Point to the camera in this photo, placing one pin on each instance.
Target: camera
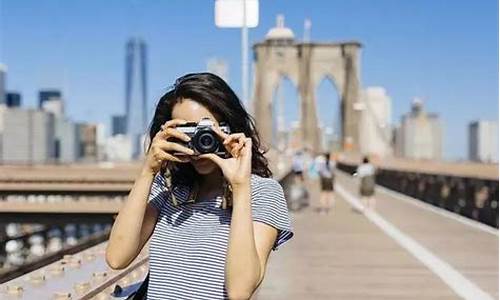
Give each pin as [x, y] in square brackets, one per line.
[203, 138]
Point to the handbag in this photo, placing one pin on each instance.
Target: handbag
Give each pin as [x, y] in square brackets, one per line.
[141, 292]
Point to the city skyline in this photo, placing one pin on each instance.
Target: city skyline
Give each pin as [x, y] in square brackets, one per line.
[452, 66]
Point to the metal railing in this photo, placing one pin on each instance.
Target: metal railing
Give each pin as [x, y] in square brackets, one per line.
[84, 275]
[474, 198]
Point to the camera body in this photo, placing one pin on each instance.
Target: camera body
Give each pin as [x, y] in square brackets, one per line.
[203, 138]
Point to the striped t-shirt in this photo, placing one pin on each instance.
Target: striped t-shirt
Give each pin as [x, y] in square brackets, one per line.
[187, 251]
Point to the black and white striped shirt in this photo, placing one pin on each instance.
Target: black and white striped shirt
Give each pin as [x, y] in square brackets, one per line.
[189, 243]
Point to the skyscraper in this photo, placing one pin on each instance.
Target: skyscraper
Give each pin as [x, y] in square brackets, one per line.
[420, 134]
[3, 75]
[13, 99]
[55, 106]
[47, 95]
[483, 141]
[87, 136]
[119, 148]
[375, 122]
[42, 137]
[135, 91]
[67, 143]
[118, 125]
[28, 136]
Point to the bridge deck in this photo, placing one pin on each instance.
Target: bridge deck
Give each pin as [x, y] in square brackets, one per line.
[351, 255]
[345, 255]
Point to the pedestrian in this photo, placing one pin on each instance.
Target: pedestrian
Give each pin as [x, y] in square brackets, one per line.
[298, 196]
[308, 160]
[213, 218]
[325, 167]
[298, 165]
[366, 174]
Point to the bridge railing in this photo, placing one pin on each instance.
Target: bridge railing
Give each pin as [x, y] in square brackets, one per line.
[84, 275]
[474, 198]
[32, 251]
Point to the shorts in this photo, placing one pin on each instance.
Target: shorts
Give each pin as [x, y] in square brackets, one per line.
[367, 191]
[367, 186]
[326, 184]
[299, 174]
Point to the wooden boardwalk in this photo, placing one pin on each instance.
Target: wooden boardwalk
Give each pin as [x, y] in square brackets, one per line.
[344, 255]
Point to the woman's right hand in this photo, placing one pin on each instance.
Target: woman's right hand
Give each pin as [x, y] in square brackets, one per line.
[161, 149]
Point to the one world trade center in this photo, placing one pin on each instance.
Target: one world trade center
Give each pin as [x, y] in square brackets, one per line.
[135, 92]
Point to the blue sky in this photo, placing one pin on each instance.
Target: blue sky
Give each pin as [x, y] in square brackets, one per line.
[444, 51]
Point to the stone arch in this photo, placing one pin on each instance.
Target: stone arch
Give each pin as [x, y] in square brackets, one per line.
[281, 92]
[272, 64]
[329, 102]
[306, 64]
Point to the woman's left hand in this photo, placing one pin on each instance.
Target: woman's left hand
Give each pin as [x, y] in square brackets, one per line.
[237, 168]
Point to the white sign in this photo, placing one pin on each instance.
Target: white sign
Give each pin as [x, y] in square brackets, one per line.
[229, 13]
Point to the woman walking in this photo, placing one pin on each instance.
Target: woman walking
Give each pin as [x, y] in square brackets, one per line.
[366, 174]
[325, 169]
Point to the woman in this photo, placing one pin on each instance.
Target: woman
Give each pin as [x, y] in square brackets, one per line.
[325, 170]
[366, 174]
[212, 220]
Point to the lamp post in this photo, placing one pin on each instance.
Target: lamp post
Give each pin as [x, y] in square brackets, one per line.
[244, 56]
[236, 14]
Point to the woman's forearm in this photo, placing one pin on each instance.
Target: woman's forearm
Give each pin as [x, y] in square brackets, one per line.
[242, 263]
[125, 237]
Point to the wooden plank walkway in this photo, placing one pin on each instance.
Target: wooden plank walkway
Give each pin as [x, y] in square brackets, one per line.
[345, 256]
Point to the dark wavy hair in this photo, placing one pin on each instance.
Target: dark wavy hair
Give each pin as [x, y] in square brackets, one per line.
[215, 94]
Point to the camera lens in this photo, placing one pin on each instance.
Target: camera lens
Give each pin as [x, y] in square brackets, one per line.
[205, 141]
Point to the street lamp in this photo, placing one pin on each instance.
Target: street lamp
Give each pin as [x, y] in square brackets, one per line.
[236, 14]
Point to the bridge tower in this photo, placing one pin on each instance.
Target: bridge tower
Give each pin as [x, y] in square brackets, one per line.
[306, 64]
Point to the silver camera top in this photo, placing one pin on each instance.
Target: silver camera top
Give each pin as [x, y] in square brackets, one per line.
[206, 122]
[192, 127]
